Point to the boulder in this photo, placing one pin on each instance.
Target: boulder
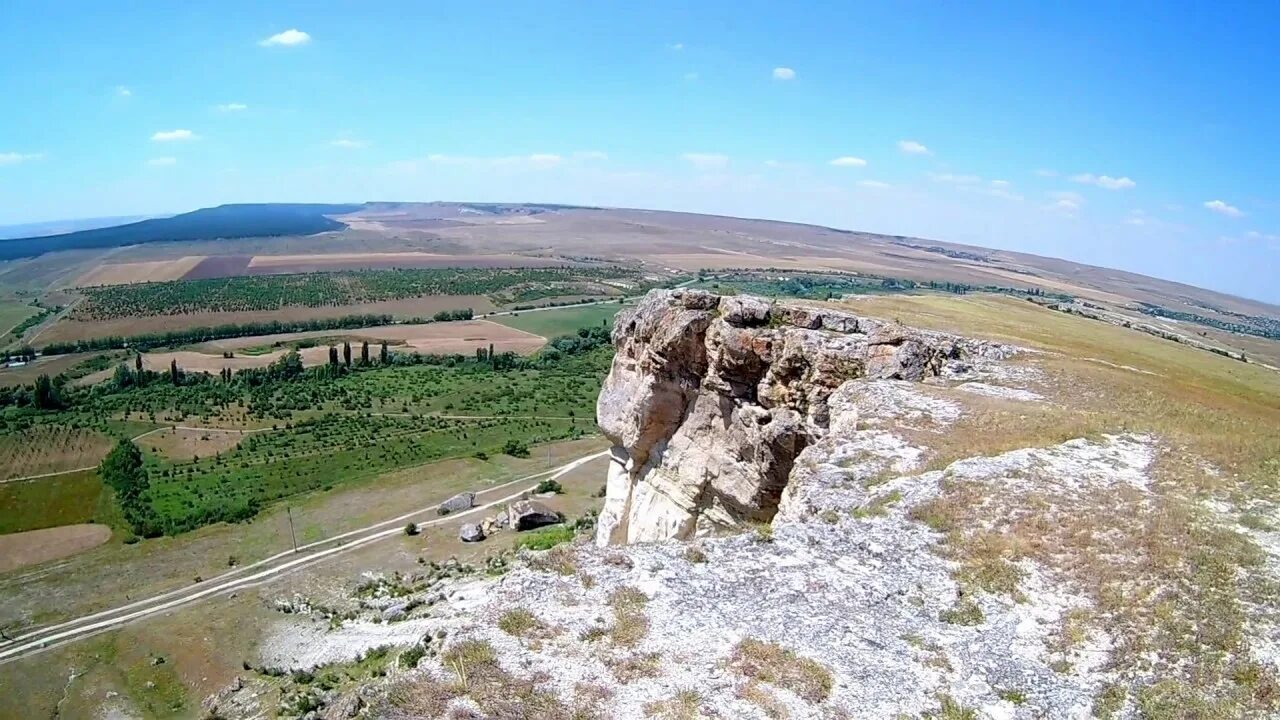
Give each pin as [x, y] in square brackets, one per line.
[394, 612]
[470, 532]
[530, 514]
[457, 503]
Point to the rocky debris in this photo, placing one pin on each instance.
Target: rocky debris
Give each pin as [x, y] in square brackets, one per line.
[710, 400]
[344, 708]
[471, 532]
[395, 612]
[457, 503]
[531, 514]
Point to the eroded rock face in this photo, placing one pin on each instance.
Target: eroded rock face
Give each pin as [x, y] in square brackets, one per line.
[710, 399]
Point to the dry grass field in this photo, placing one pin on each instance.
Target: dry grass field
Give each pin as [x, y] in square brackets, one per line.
[273, 264]
[67, 330]
[1176, 572]
[19, 550]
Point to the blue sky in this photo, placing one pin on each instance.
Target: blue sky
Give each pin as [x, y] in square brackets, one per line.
[1141, 137]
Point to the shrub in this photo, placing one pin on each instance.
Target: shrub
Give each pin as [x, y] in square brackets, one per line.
[549, 486]
[411, 528]
[774, 664]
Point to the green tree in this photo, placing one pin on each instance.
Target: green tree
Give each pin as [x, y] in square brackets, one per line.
[123, 472]
[382, 354]
[346, 353]
[123, 377]
[333, 356]
[46, 395]
[364, 352]
[174, 377]
[137, 363]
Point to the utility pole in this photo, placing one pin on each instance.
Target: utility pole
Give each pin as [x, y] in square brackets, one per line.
[289, 511]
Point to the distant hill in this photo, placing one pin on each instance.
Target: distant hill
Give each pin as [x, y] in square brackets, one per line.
[224, 221]
[62, 227]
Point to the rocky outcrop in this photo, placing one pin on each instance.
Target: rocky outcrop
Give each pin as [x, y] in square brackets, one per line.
[471, 532]
[710, 400]
[531, 514]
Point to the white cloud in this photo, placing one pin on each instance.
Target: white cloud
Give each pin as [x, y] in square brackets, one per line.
[1105, 182]
[874, 184]
[1065, 202]
[706, 161]
[911, 147]
[162, 161]
[544, 160]
[349, 144]
[1047, 173]
[14, 158]
[1223, 208]
[677, 46]
[784, 73]
[1000, 183]
[848, 161]
[953, 179]
[287, 38]
[590, 155]
[124, 92]
[173, 135]
[232, 107]
[1255, 235]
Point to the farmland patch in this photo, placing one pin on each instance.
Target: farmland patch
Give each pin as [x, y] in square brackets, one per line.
[139, 272]
[37, 546]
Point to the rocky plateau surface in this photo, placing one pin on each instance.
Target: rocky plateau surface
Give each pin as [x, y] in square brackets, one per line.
[760, 553]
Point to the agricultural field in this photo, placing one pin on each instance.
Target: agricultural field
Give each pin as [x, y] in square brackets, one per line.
[13, 311]
[311, 429]
[50, 448]
[178, 443]
[561, 321]
[321, 454]
[273, 292]
[67, 499]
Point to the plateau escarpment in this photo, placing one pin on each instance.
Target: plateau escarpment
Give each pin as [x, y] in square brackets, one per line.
[711, 399]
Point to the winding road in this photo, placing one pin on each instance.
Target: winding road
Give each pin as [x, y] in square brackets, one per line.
[254, 574]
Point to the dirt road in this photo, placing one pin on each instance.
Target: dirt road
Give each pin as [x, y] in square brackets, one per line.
[254, 574]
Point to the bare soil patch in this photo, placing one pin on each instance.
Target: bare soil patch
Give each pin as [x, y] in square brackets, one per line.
[139, 272]
[216, 267]
[186, 444]
[439, 338]
[33, 547]
[71, 330]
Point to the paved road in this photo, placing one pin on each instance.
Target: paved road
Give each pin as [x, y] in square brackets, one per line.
[263, 571]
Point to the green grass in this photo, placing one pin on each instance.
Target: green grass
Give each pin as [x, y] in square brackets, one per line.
[561, 321]
[13, 312]
[324, 453]
[60, 500]
[545, 539]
